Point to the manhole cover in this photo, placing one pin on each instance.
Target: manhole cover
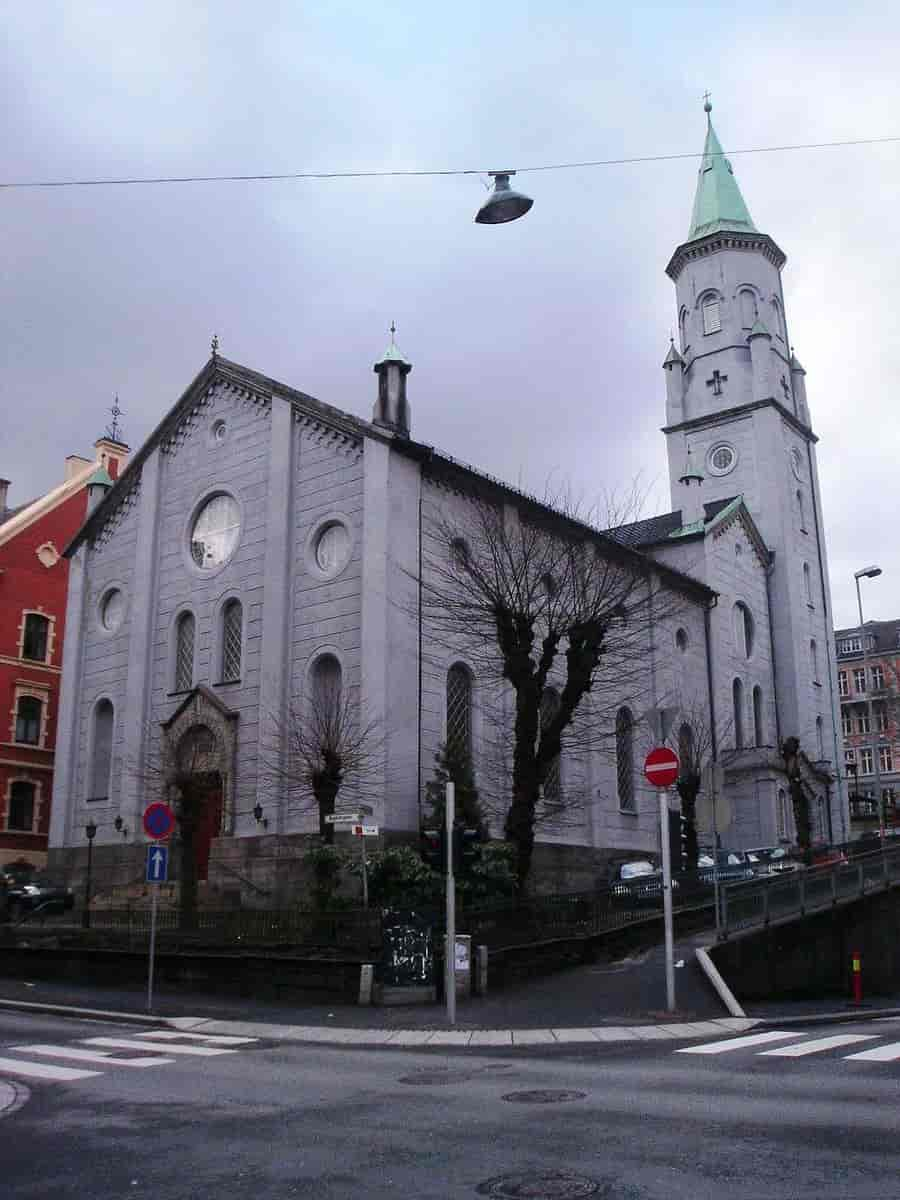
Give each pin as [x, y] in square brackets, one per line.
[438, 1076]
[541, 1185]
[544, 1096]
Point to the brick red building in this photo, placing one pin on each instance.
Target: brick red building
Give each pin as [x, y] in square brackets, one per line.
[33, 586]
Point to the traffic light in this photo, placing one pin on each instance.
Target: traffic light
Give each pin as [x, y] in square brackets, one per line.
[677, 842]
[434, 854]
[465, 849]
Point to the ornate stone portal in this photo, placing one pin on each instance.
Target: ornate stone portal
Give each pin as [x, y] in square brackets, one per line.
[200, 738]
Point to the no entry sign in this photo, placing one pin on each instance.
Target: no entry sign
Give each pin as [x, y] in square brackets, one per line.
[159, 820]
[661, 767]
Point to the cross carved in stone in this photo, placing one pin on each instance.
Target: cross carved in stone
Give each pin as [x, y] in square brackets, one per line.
[716, 382]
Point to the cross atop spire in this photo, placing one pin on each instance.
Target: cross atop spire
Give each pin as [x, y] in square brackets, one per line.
[113, 430]
[718, 203]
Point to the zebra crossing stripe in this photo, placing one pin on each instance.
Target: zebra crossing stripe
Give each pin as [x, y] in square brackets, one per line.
[819, 1044]
[738, 1043]
[170, 1048]
[74, 1054]
[214, 1039]
[887, 1053]
[38, 1070]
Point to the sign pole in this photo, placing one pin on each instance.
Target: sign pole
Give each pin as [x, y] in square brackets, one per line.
[365, 872]
[667, 897]
[450, 949]
[152, 949]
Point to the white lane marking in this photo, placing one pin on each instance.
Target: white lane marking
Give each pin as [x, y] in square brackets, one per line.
[36, 1070]
[888, 1053]
[95, 1056]
[814, 1047]
[214, 1039]
[171, 1048]
[738, 1043]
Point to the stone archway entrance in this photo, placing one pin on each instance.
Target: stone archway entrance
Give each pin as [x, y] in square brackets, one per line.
[200, 805]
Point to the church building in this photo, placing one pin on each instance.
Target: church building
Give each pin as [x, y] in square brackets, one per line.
[263, 549]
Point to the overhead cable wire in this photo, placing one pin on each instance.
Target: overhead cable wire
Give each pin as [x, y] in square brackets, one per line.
[421, 173]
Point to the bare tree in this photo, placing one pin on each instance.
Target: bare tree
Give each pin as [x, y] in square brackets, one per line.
[536, 597]
[324, 744]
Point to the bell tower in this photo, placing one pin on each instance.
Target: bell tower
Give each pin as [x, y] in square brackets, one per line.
[736, 395]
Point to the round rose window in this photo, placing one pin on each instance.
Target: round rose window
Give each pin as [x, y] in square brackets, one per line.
[332, 548]
[215, 533]
[112, 609]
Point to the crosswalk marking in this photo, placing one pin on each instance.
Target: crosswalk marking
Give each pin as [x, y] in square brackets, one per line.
[74, 1054]
[887, 1053]
[818, 1044]
[214, 1039]
[38, 1070]
[168, 1048]
[738, 1043]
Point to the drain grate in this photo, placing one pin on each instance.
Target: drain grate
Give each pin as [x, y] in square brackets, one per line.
[544, 1096]
[541, 1185]
[437, 1075]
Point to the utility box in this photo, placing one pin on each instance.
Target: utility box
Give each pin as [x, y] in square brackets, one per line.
[462, 964]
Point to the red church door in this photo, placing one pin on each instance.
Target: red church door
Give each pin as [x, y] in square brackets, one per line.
[209, 823]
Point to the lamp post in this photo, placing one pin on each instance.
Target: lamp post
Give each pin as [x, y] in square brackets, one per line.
[870, 573]
[90, 832]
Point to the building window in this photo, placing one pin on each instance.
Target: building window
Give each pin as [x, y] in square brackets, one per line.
[881, 720]
[843, 684]
[34, 641]
[758, 738]
[743, 629]
[682, 326]
[28, 721]
[849, 756]
[851, 645]
[859, 679]
[807, 584]
[20, 815]
[801, 511]
[846, 724]
[862, 723]
[327, 685]
[820, 738]
[112, 609]
[552, 777]
[232, 629]
[184, 652]
[865, 761]
[781, 815]
[712, 319]
[215, 532]
[737, 702]
[625, 759]
[721, 459]
[101, 754]
[748, 309]
[814, 659]
[885, 758]
[332, 548]
[777, 321]
[459, 712]
[877, 677]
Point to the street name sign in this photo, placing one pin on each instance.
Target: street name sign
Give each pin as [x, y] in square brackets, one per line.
[661, 767]
[159, 820]
[365, 831]
[157, 864]
[343, 818]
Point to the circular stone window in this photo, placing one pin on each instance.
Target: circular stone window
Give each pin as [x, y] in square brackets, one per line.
[797, 462]
[112, 609]
[331, 548]
[721, 459]
[219, 431]
[215, 532]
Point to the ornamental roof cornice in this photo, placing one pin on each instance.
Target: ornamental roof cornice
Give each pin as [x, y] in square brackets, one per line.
[712, 243]
[724, 415]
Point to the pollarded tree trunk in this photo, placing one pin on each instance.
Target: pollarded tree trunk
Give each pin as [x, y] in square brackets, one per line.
[187, 824]
[688, 789]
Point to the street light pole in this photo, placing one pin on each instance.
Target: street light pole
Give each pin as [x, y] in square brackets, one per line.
[90, 831]
[870, 573]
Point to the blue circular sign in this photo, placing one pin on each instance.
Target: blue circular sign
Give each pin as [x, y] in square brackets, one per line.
[159, 820]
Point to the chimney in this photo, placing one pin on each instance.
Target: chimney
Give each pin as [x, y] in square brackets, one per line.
[4, 488]
[74, 464]
[392, 407]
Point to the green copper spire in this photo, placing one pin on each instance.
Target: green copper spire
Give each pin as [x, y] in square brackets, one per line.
[718, 203]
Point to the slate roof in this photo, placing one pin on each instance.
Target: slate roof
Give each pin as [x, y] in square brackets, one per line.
[886, 635]
[654, 530]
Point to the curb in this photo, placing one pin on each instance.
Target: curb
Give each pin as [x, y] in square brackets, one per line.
[86, 1014]
[832, 1018]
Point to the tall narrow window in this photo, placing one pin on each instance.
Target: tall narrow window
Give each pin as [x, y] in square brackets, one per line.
[777, 318]
[743, 629]
[814, 659]
[801, 511]
[737, 698]
[327, 709]
[682, 326]
[28, 721]
[20, 814]
[101, 755]
[748, 308]
[781, 821]
[34, 640]
[820, 737]
[843, 683]
[459, 712]
[232, 625]
[552, 778]
[184, 653]
[807, 584]
[758, 737]
[625, 759]
[712, 320]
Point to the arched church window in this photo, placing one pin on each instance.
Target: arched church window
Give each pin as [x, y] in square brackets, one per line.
[28, 720]
[777, 319]
[814, 659]
[737, 701]
[232, 631]
[743, 629]
[758, 736]
[552, 778]
[749, 311]
[101, 749]
[801, 511]
[459, 712]
[712, 317]
[326, 686]
[625, 759]
[184, 653]
[683, 328]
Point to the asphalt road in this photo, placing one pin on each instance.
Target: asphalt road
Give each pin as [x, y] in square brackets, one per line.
[654, 1121]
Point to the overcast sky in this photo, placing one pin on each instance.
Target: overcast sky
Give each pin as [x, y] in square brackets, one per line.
[536, 345]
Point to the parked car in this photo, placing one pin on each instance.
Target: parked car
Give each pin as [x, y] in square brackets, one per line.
[728, 866]
[823, 855]
[38, 892]
[771, 860]
[639, 883]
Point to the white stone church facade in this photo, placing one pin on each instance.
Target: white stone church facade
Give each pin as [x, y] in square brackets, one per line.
[262, 540]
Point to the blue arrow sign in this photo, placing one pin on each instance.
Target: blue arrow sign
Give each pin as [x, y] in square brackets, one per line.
[157, 864]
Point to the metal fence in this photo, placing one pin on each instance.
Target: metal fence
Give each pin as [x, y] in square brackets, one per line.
[808, 890]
